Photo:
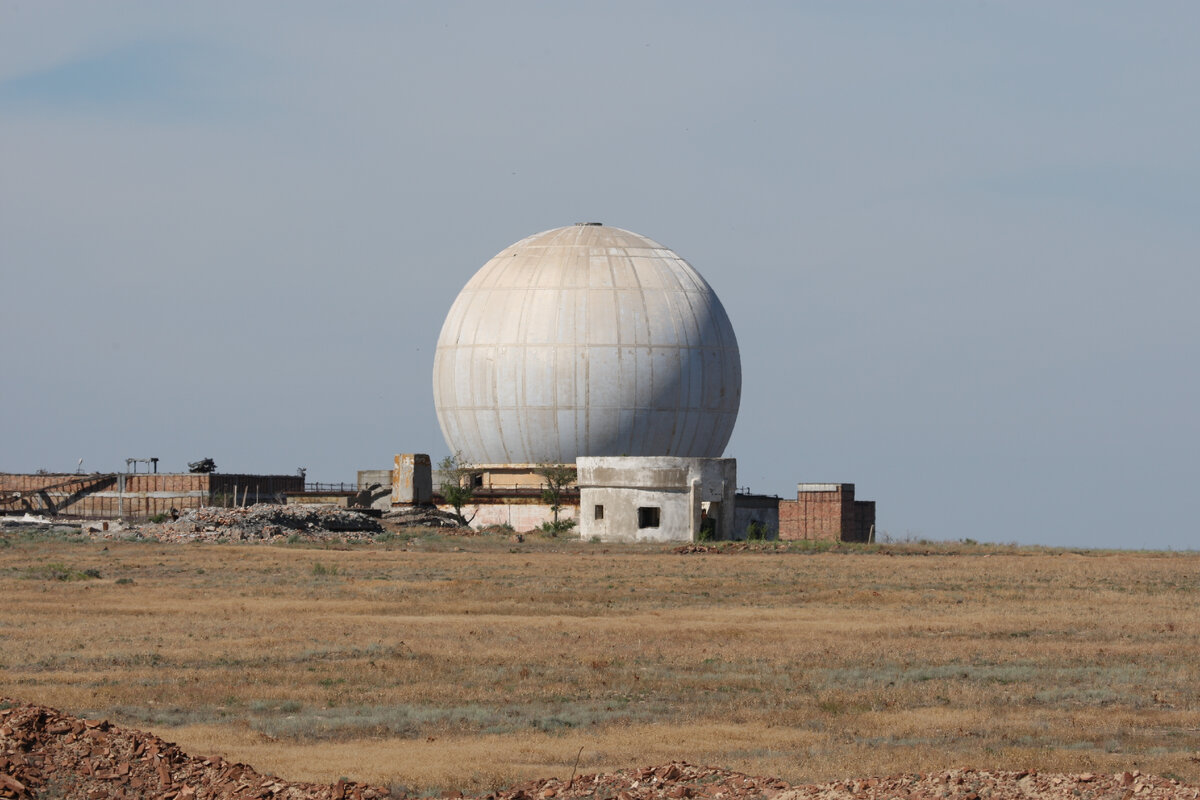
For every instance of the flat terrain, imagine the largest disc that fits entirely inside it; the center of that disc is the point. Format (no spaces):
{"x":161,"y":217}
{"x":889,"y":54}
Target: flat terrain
{"x":472,"y":663}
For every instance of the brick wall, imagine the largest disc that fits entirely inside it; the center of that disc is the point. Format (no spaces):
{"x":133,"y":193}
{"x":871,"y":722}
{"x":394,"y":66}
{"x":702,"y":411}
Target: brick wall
{"x":826,"y":512}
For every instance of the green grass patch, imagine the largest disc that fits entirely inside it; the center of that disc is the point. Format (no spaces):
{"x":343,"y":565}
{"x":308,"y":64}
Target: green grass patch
{"x":57,"y":571}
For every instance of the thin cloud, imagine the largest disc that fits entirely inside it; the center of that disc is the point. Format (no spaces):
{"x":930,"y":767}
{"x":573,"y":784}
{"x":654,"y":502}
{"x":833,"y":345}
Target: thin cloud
{"x":164,"y":80}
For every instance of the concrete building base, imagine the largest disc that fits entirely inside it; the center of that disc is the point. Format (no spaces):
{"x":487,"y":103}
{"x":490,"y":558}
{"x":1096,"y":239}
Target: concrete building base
{"x":656,"y":499}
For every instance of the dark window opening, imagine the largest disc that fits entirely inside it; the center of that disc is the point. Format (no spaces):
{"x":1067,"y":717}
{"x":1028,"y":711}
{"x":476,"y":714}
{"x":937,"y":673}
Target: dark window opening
{"x":599,"y":512}
{"x":648,"y":517}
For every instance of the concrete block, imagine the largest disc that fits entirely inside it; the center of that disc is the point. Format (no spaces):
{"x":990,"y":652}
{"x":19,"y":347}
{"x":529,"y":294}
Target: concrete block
{"x":412,"y":479}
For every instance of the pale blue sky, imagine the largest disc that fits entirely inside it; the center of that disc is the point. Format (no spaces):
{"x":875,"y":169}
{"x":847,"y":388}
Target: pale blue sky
{"x":958,"y":241}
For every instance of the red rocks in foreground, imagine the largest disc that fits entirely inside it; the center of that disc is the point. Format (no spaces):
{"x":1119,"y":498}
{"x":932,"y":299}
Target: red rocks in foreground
{"x":688,"y":781}
{"x":46,"y":754}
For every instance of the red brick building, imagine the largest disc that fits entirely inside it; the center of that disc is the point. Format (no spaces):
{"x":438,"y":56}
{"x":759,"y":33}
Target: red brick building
{"x":827,"y":512}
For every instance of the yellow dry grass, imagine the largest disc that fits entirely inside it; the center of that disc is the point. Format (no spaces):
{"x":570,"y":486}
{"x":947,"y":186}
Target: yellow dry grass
{"x":474,"y":663}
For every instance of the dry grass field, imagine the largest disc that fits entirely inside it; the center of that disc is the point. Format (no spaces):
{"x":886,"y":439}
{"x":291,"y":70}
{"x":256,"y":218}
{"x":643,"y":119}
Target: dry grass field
{"x":469,"y":663}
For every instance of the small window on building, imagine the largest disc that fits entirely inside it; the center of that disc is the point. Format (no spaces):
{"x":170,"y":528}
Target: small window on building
{"x":599,"y":512}
{"x":477,"y":481}
{"x":648,"y":517}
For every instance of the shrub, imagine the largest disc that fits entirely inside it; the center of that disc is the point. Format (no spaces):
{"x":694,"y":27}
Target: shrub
{"x":458,"y":483}
{"x":558,"y":478}
{"x":61,"y":572}
{"x":558,"y":526}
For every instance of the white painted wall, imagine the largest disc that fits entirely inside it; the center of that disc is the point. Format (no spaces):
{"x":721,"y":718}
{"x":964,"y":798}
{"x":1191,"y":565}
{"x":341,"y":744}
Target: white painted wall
{"x":521,"y":516}
{"x":679,"y":487}
{"x":677,"y":514}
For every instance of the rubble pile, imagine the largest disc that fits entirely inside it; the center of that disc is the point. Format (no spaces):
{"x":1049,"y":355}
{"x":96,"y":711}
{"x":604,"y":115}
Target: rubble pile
{"x":969,"y":784}
{"x":423,"y":517}
{"x":682,"y":780}
{"x":667,"y":782}
{"x":45,"y":754}
{"x":29,"y":521}
{"x":263,"y":522}
{"x":728,"y":547}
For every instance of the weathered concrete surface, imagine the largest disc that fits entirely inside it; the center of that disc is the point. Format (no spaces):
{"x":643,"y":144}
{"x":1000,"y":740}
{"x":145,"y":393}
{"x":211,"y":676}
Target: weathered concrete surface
{"x":412,"y":479}
{"x":656,"y":499}
{"x":586,"y":340}
{"x":755,"y":508}
{"x":520,"y":516}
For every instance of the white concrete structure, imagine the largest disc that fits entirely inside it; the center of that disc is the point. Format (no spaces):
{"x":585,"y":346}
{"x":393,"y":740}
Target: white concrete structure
{"x":412,"y":479}
{"x":519,"y":516}
{"x":586,"y":341}
{"x":656,"y":499}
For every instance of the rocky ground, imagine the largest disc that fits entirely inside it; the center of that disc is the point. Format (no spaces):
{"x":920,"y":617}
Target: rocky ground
{"x":425,"y":517}
{"x":727,"y":547}
{"x":261,"y":523}
{"x":47,"y":754}
{"x":271,"y":523}
{"x":257,"y":523}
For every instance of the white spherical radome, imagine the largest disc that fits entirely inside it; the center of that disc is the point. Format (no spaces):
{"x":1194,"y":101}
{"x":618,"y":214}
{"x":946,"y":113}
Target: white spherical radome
{"x":586,"y":340}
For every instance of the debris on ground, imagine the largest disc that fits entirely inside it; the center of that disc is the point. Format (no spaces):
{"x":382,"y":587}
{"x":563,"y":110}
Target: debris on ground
{"x":666,"y":782}
{"x":45,"y":753}
{"x":36,"y":523}
{"x":262,"y":522}
{"x":729,"y":547}
{"x":424,"y":517}
{"x":101,"y":526}
{"x":969,"y":784}
{"x":27,"y":521}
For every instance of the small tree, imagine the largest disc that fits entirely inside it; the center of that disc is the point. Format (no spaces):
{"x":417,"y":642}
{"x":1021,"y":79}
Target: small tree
{"x":558,"y":477}
{"x":458,"y":483}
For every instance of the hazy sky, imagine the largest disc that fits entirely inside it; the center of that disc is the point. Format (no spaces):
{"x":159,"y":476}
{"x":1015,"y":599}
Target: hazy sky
{"x":959,"y":242}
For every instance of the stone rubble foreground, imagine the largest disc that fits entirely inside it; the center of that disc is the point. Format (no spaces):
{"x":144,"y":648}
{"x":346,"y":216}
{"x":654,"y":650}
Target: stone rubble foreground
{"x":263,"y":522}
{"x":47,"y":754}
{"x":267,"y":523}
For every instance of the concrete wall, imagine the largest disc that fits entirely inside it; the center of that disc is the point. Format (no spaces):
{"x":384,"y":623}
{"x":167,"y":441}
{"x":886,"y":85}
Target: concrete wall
{"x":138,"y":495}
{"x":755,"y":508}
{"x":677,"y":515}
{"x":369,"y":477}
{"x":379,"y":497}
{"x":521,"y":516}
{"x":510,"y":476}
{"x":412,"y":479}
{"x":683,"y":491}
{"x":339,"y":499}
